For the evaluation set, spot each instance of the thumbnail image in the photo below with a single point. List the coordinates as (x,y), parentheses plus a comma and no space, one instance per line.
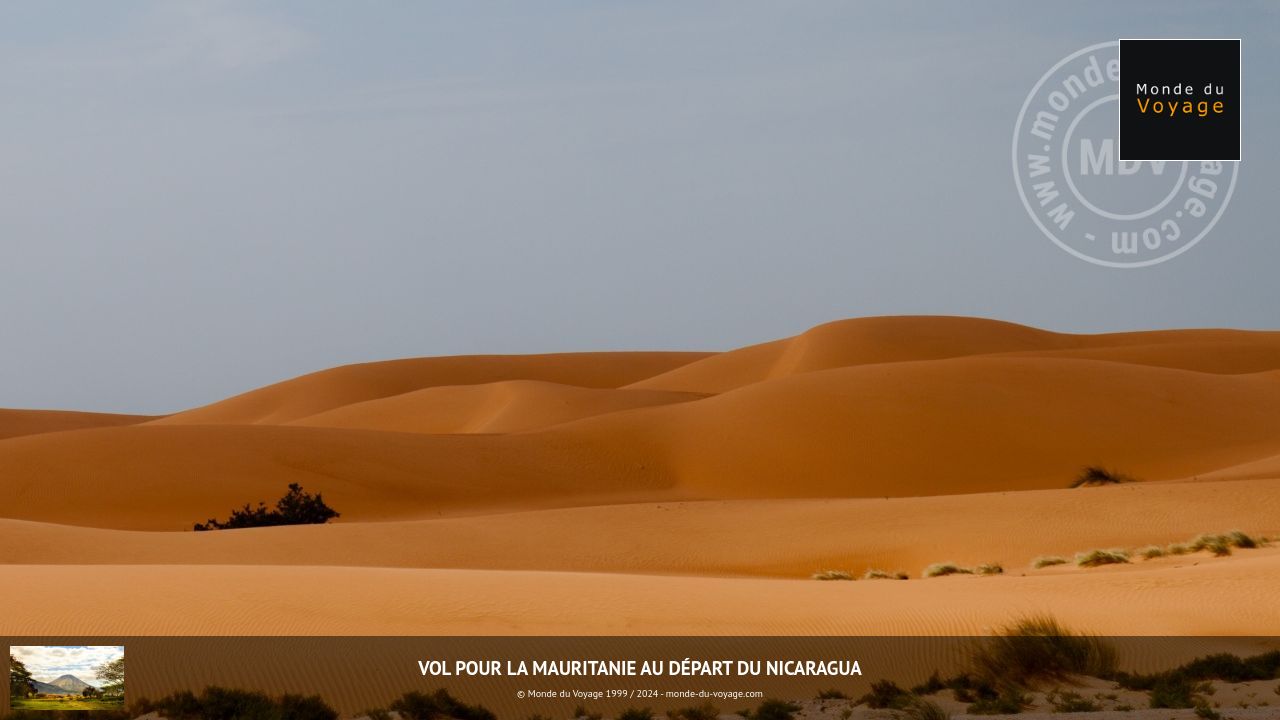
(66,677)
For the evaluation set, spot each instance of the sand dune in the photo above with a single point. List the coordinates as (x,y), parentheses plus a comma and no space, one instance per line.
(722,538)
(502,407)
(274,600)
(328,389)
(672,492)
(945,427)
(17,423)
(865,341)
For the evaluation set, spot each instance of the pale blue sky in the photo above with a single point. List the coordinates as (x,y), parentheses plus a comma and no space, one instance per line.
(203,197)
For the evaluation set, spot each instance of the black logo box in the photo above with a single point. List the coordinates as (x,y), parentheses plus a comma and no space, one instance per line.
(1185,66)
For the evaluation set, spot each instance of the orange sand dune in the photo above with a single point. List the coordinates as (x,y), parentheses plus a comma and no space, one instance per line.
(962,425)
(16,423)
(1231,597)
(503,407)
(943,427)
(865,341)
(652,493)
(176,475)
(768,538)
(328,389)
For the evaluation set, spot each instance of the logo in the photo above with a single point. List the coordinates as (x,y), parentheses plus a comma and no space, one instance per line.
(1107,211)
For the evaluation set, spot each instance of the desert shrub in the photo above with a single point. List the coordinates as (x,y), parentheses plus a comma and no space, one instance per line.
(1178,549)
(1151,552)
(926,710)
(1207,713)
(1009,702)
(832,694)
(695,712)
(1039,648)
(876,574)
(436,705)
(1045,561)
(775,710)
(1242,540)
(295,508)
(1096,558)
(933,685)
(217,703)
(1094,475)
(582,713)
(1064,701)
(1219,545)
(636,714)
(379,714)
(946,568)
(832,575)
(1173,691)
(990,569)
(886,694)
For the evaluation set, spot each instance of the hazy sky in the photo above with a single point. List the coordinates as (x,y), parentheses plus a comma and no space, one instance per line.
(50,662)
(203,197)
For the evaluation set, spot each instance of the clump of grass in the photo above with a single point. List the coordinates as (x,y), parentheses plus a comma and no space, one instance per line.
(1178,549)
(832,694)
(1045,561)
(876,574)
(832,575)
(1065,701)
(1219,545)
(1040,648)
(1242,540)
(1095,475)
(943,569)
(885,694)
(989,569)
(1151,552)
(1097,558)
(926,710)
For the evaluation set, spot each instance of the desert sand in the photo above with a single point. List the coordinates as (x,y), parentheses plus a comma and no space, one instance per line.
(673,493)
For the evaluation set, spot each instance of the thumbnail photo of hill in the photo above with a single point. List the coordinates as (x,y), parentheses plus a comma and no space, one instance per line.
(886,475)
(48,678)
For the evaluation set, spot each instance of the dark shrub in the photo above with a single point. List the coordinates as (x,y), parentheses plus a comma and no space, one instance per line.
(438,705)
(295,508)
(775,710)
(886,694)
(696,712)
(1038,648)
(1097,475)
(636,714)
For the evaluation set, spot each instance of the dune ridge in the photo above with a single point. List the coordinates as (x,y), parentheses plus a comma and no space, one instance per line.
(531,492)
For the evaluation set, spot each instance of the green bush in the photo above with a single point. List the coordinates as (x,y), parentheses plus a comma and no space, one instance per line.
(1045,561)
